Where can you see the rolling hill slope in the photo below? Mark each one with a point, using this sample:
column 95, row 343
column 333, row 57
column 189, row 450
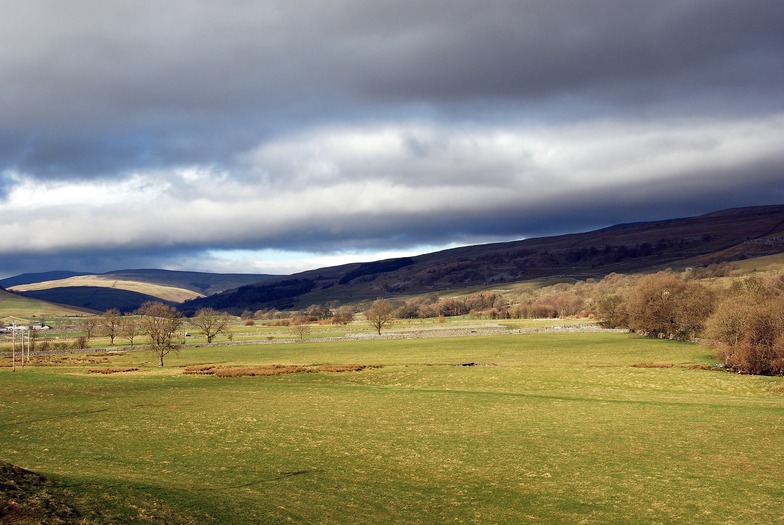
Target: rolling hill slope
column 727, row 235
column 124, row 289
column 107, row 285
column 12, row 304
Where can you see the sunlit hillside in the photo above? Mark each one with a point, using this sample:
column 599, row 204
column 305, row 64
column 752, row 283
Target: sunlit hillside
column 26, row 308
column 164, row 292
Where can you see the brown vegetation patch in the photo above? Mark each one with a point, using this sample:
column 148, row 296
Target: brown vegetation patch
column 653, row 365
column 270, row 370
column 112, row 370
column 703, row 367
column 51, row 360
column 92, row 359
column 241, row 371
column 267, row 370
column 201, row 369
column 346, row 368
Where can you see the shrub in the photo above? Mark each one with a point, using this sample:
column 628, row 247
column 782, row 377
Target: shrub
column 663, row 305
column 612, row 311
column 747, row 329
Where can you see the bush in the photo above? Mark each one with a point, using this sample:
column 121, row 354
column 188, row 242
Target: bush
column 747, row 329
column 612, row 311
column 663, row 305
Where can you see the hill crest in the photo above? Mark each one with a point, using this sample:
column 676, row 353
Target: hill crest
column 720, row 236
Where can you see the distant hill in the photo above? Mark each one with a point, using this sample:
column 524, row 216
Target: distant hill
column 124, row 289
column 93, row 298
column 202, row 282
column 728, row 235
column 28, row 278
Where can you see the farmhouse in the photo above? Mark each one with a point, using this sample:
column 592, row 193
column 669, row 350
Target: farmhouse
column 11, row 323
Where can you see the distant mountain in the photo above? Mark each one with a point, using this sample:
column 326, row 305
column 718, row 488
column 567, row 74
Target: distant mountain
column 124, row 289
column 92, row 297
column 28, row 278
column 201, row 282
column 722, row 236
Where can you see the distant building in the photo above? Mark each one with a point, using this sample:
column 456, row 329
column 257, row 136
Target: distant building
column 11, row 323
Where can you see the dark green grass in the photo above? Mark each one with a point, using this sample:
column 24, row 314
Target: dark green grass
column 563, row 429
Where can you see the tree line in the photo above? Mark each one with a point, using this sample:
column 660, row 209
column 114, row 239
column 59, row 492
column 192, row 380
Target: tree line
column 741, row 317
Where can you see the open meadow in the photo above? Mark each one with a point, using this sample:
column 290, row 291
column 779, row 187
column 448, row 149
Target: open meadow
column 544, row 428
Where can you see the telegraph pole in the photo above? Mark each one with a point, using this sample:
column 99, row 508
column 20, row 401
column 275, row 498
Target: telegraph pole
column 13, row 347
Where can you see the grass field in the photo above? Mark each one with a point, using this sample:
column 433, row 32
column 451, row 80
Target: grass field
column 556, row 428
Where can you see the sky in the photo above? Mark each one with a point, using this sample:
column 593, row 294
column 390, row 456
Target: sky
column 275, row 136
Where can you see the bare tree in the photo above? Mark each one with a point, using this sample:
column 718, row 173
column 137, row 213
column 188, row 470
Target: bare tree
column 160, row 323
column 112, row 323
column 211, row 322
column 379, row 314
column 300, row 325
column 343, row 315
column 129, row 327
column 90, row 325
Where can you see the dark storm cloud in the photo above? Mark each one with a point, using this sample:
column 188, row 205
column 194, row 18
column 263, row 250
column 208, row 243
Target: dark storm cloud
column 648, row 52
column 162, row 130
column 139, row 85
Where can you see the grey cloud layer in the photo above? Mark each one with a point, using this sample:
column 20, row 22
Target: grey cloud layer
column 92, row 88
column 190, row 125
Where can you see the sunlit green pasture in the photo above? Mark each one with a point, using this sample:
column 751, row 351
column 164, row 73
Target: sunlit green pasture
column 15, row 307
column 66, row 330
column 557, row 428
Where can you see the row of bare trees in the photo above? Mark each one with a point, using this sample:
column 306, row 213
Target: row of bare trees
column 159, row 322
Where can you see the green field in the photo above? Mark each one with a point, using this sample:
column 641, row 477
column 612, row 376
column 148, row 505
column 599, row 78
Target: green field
column 562, row 428
column 12, row 305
